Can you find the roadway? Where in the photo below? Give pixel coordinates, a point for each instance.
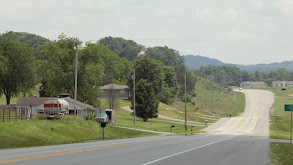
(237, 140)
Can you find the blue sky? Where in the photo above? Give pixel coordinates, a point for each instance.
(233, 31)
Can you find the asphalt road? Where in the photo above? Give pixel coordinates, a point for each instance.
(255, 119)
(242, 140)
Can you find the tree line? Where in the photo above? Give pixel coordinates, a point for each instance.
(27, 59)
(232, 76)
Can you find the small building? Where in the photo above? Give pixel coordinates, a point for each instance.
(282, 83)
(115, 91)
(37, 105)
(252, 83)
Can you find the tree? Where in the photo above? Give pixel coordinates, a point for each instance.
(31, 40)
(171, 86)
(17, 67)
(149, 77)
(124, 48)
(146, 102)
(112, 101)
(57, 70)
(169, 57)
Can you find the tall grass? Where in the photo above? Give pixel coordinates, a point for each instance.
(70, 129)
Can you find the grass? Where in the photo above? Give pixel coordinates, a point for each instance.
(70, 130)
(217, 103)
(32, 93)
(281, 153)
(154, 125)
(151, 125)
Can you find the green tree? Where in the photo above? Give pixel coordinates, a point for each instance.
(124, 48)
(31, 40)
(148, 72)
(17, 67)
(57, 70)
(146, 102)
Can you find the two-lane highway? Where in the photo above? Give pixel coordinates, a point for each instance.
(253, 121)
(237, 140)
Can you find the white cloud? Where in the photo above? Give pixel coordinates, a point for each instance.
(230, 14)
(204, 13)
(128, 22)
(258, 4)
(286, 6)
(169, 11)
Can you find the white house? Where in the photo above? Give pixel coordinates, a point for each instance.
(252, 83)
(282, 83)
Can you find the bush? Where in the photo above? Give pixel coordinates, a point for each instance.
(72, 118)
(90, 117)
(37, 117)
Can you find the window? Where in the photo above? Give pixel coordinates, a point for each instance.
(122, 91)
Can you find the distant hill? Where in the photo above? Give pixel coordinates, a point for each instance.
(32, 40)
(195, 62)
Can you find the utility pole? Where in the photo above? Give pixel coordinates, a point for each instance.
(134, 96)
(185, 102)
(205, 101)
(75, 85)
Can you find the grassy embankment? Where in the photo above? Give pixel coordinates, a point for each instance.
(125, 119)
(281, 153)
(69, 130)
(210, 104)
(228, 104)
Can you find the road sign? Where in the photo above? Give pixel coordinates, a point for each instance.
(288, 107)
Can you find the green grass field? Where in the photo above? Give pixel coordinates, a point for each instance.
(70, 130)
(281, 153)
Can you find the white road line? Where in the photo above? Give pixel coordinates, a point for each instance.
(154, 161)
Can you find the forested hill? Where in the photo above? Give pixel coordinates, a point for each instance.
(195, 62)
(32, 40)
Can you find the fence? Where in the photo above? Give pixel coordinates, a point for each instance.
(14, 114)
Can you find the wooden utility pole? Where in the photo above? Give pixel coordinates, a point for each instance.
(185, 102)
(75, 82)
(134, 96)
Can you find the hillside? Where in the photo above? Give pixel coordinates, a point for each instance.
(195, 62)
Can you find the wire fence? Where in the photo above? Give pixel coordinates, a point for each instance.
(14, 114)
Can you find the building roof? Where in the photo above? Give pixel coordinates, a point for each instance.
(37, 101)
(114, 86)
(31, 101)
(7, 106)
(78, 103)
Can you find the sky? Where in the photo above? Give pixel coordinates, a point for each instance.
(232, 31)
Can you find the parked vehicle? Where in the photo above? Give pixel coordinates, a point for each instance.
(102, 118)
(55, 109)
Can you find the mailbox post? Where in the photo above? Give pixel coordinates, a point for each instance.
(172, 126)
(205, 123)
(103, 125)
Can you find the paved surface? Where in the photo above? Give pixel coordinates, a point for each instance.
(254, 120)
(240, 140)
(205, 149)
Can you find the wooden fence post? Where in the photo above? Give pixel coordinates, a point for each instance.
(9, 114)
(21, 114)
(15, 114)
(3, 115)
